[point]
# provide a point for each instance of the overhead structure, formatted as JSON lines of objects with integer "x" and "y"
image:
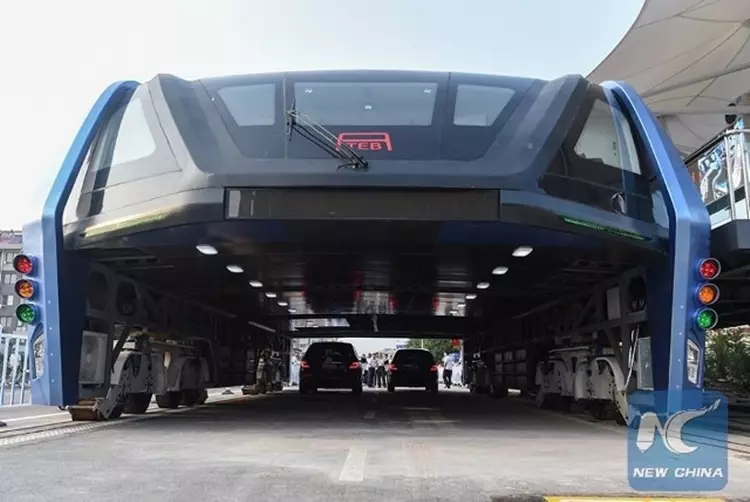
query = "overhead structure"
{"x": 690, "y": 60}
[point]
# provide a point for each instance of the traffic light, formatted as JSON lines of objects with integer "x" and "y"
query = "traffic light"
{"x": 27, "y": 289}
{"x": 707, "y": 293}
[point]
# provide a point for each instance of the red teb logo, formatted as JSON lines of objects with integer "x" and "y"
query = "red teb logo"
{"x": 365, "y": 141}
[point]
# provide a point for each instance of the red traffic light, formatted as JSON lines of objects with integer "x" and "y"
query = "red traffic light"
{"x": 23, "y": 264}
{"x": 709, "y": 269}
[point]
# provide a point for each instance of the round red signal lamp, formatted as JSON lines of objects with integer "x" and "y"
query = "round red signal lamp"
{"x": 709, "y": 268}
{"x": 25, "y": 289}
{"x": 23, "y": 264}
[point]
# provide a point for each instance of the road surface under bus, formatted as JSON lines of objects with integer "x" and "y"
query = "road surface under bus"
{"x": 403, "y": 446}
{"x": 197, "y": 226}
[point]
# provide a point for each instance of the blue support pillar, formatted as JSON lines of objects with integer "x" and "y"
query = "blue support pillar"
{"x": 671, "y": 284}
{"x": 56, "y": 337}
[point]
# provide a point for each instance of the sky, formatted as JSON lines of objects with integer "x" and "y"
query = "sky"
{"x": 57, "y": 57}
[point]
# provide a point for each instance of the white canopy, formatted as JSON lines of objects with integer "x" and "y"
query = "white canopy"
{"x": 689, "y": 59}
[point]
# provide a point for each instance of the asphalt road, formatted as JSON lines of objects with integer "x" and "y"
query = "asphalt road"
{"x": 330, "y": 446}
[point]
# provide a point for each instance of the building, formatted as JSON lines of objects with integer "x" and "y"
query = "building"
{"x": 10, "y": 245}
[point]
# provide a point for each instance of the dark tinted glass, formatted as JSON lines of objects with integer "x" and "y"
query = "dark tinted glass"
{"x": 338, "y": 352}
{"x": 480, "y": 105}
{"x": 377, "y": 104}
{"x": 251, "y": 105}
{"x": 420, "y": 358}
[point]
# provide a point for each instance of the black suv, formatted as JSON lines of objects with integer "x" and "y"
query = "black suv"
{"x": 330, "y": 365}
{"x": 413, "y": 368}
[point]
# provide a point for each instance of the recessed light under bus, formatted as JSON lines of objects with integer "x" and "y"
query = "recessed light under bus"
{"x": 206, "y": 249}
{"x": 522, "y": 251}
{"x": 235, "y": 269}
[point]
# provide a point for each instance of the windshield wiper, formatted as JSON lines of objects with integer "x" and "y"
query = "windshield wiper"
{"x": 323, "y": 139}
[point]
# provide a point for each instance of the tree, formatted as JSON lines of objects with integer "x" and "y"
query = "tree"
{"x": 436, "y": 346}
{"x": 728, "y": 356}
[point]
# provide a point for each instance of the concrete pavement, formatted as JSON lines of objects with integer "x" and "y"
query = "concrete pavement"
{"x": 331, "y": 446}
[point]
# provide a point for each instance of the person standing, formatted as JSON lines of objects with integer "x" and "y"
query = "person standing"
{"x": 371, "y": 364}
{"x": 380, "y": 372}
{"x": 447, "y": 370}
{"x": 363, "y": 365}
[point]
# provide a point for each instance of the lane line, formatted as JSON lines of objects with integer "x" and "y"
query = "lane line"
{"x": 35, "y": 417}
{"x": 355, "y": 465}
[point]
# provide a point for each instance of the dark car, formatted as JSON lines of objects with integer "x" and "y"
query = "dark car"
{"x": 413, "y": 368}
{"x": 330, "y": 365}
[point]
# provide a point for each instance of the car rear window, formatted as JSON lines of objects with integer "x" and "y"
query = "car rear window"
{"x": 337, "y": 352}
{"x": 417, "y": 357}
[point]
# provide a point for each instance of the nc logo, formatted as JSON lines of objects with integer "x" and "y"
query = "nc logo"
{"x": 671, "y": 432}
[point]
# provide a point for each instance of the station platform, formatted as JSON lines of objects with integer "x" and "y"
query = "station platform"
{"x": 408, "y": 445}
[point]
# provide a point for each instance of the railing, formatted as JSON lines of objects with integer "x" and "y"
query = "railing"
{"x": 14, "y": 363}
{"x": 721, "y": 171}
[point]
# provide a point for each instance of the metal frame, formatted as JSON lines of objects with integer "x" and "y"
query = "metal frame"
{"x": 582, "y": 319}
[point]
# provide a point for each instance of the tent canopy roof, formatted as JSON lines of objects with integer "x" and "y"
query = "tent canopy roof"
{"x": 689, "y": 59}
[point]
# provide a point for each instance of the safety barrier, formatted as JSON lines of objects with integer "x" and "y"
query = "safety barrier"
{"x": 721, "y": 171}
{"x": 15, "y": 385}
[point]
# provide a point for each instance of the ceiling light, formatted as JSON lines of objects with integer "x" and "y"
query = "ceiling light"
{"x": 235, "y": 269}
{"x": 270, "y": 294}
{"x": 461, "y": 305}
{"x": 471, "y": 296}
{"x": 500, "y": 270}
{"x": 292, "y": 311}
{"x": 523, "y": 251}
{"x": 206, "y": 249}
{"x": 483, "y": 285}
{"x": 256, "y": 284}
{"x": 283, "y": 303}
{"x": 454, "y": 312}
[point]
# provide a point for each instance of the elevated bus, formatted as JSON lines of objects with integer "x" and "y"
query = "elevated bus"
{"x": 194, "y": 224}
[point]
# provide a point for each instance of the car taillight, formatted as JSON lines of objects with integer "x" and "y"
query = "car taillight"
{"x": 354, "y": 366}
{"x": 303, "y": 365}
{"x": 433, "y": 367}
{"x": 392, "y": 367}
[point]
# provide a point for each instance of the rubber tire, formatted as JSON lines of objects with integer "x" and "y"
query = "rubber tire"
{"x": 391, "y": 388}
{"x": 433, "y": 389}
{"x": 357, "y": 390}
{"x": 190, "y": 397}
{"x": 137, "y": 404}
{"x": 116, "y": 412}
{"x": 500, "y": 392}
{"x": 169, "y": 400}
{"x": 204, "y": 397}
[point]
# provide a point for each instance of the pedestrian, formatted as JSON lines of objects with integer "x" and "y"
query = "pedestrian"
{"x": 380, "y": 373}
{"x": 363, "y": 365}
{"x": 371, "y": 365}
{"x": 386, "y": 372}
{"x": 447, "y": 370}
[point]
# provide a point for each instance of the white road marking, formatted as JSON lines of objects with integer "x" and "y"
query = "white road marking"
{"x": 35, "y": 417}
{"x": 370, "y": 415}
{"x": 355, "y": 465}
